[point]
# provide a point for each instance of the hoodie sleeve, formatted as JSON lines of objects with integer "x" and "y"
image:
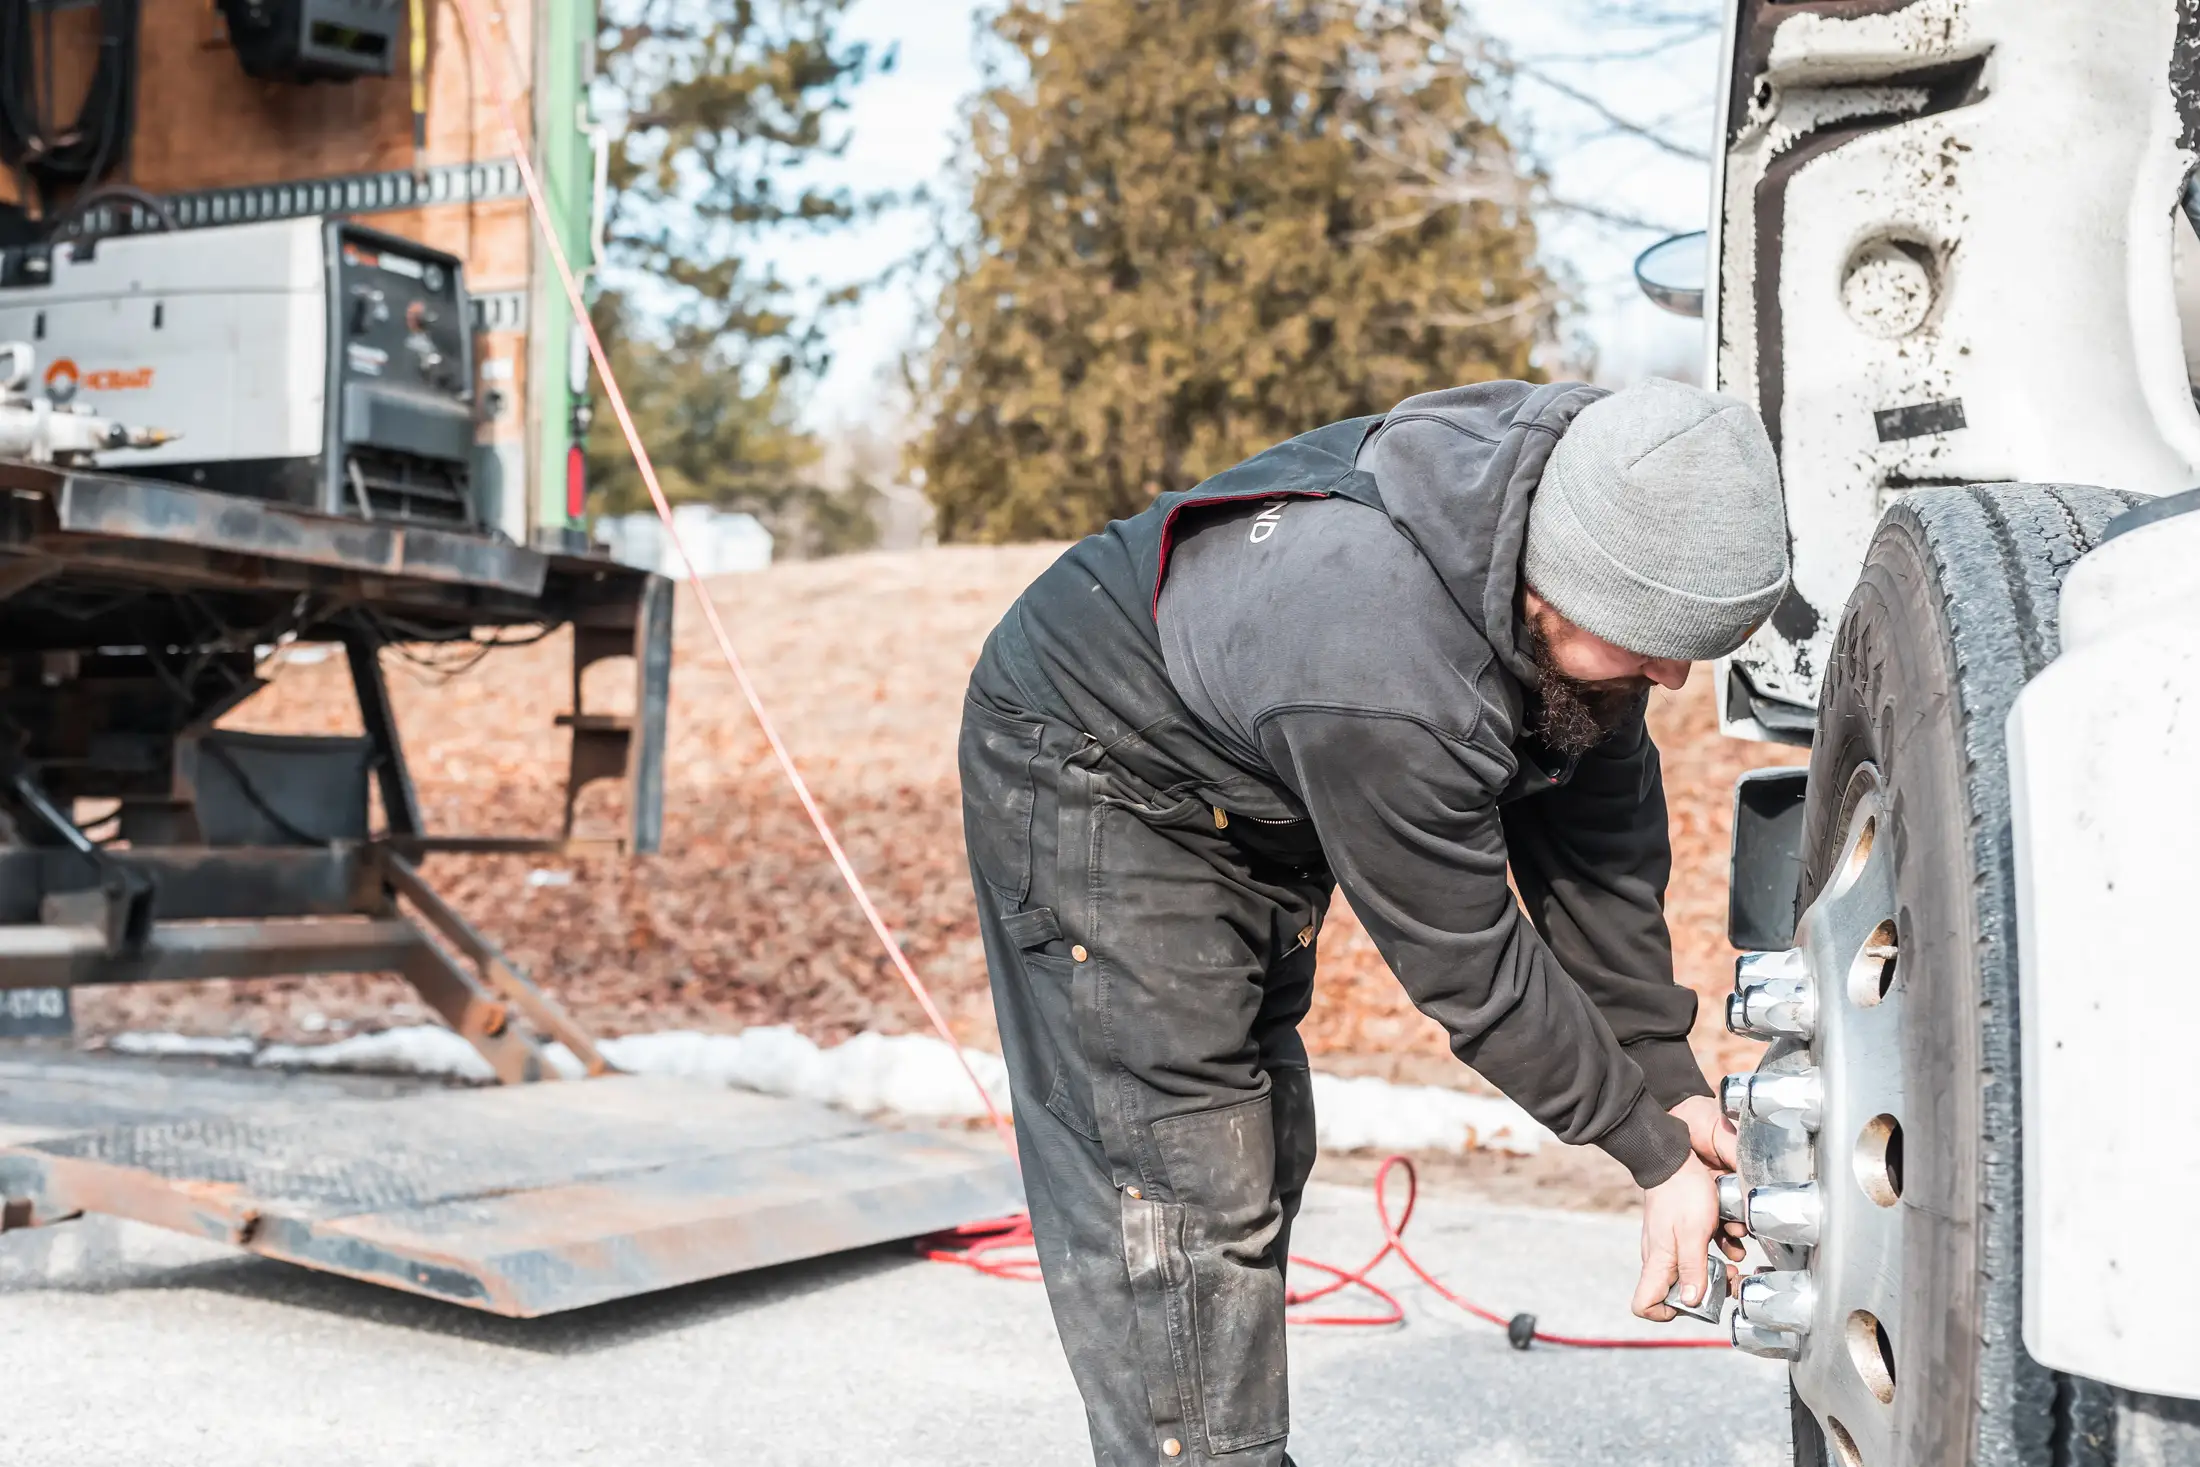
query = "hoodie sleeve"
{"x": 1591, "y": 859}
{"x": 1410, "y": 826}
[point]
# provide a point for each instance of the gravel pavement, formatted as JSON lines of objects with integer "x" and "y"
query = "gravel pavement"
{"x": 122, "y": 1344}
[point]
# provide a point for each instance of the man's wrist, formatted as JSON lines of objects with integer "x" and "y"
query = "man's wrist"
{"x": 1649, "y": 1141}
{"x": 1669, "y": 1069}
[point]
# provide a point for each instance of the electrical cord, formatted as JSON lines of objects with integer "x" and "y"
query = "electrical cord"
{"x": 1002, "y": 1248}
{"x": 256, "y": 799}
{"x": 59, "y": 158}
{"x": 440, "y": 672}
{"x": 430, "y": 673}
{"x": 384, "y": 623}
{"x": 152, "y": 205}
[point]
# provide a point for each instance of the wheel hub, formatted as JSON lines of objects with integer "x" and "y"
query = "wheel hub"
{"x": 1821, "y": 1143}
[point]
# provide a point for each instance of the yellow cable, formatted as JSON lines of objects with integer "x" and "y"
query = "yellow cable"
{"x": 419, "y": 21}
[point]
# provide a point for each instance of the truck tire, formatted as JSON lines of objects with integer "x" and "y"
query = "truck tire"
{"x": 1955, "y": 610}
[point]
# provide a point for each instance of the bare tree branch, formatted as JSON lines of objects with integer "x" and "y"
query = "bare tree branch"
{"x": 1698, "y": 113}
{"x": 1481, "y": 61}
{"x": 1612, "y": 119}
{"x": 1602, "y": 215}
{"x": 1527, "y": 305}
{"x": 1674, "y": 42}
{"x": 1639, "y": 16}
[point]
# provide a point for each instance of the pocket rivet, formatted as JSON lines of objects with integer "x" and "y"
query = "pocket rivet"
{"x": 1222, "y": 822}
{"x": 1171, "y": 1447}
{"x": 1134, "y": 1194}
{"x": 1078, "y": 952}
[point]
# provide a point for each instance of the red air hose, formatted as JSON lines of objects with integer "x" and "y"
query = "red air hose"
{"x": 1001, "y": 1248}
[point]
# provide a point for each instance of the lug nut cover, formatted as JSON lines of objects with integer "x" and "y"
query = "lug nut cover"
{"x": 1786, "y": 1212}
{"x": 1796, "y": 1097}
{"x": 1734, "y": 1096}
{"x": 1772, "y": 1344}
{"x": 1774, "y": 996}
{"x": 1780, "y": 1299}
{"x": 1733, "y": 1199}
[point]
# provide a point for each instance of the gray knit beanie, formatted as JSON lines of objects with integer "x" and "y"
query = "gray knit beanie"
{"x": 1659, "y": 523}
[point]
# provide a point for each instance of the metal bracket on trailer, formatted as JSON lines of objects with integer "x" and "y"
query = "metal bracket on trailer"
{"x": 616, "y": 746}
{"x": 500, "y": 972}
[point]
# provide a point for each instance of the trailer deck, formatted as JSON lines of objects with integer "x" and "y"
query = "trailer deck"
{"x": 518, "y": 1200}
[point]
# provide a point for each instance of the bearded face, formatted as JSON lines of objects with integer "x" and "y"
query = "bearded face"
{"x": 1573, "y": 715}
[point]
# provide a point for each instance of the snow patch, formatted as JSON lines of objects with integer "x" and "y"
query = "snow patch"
{"x": 895, "y": 1074}
{"x": 911, "y": 1075}
{"x": 419, "y": 1050}
{"x": 1368, "y": 1114}
{"x": 184, "y": 1046}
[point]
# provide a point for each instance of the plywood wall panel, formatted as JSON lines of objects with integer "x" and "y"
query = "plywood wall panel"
{"x": 203, "y": 123}
{"x": 492, "y": 236}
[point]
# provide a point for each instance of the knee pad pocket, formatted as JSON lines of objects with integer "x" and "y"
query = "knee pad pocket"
{"x": 1221, "y": 1167}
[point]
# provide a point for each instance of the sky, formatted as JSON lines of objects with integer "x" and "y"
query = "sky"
{"x": 902, "y": 129}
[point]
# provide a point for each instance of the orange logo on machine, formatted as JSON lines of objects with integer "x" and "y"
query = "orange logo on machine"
{"x": 63, "y": 374}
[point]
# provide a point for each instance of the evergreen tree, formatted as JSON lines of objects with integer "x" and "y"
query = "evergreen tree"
{"x": 723, "y": 98}
{"x": 1201, "y": 226}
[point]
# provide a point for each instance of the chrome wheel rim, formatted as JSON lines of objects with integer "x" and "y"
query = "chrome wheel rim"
{"x": 1822, "y": 1146}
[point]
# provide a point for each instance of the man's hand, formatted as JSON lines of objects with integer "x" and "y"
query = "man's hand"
{"x": 1679, "y": 1215}
{"x": 1717, "y": 1146}
{"x": 1716, "y": 1143}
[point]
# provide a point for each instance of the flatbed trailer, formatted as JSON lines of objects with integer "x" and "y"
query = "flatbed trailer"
{"x": 132, "y": 610}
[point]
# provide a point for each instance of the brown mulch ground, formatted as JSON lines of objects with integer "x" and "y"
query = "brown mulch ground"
{"x": 743, "y": 921}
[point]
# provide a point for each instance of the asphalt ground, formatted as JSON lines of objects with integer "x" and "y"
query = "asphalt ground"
{"x": 123, "y": 1344}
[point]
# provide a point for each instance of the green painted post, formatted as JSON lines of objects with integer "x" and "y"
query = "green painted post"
{"x": 564, "y": 48}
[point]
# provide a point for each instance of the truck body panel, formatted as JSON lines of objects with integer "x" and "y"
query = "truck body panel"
{"x": 2105, "y": 793}
{"x": 1946, "y": 255}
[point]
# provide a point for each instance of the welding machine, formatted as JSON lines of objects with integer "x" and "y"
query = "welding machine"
{"x": 312, "y": 361}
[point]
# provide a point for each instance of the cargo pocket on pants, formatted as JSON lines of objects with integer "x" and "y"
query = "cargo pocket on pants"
{"x": 1069, "y": 1092}
{"x": 1221, "y": 1166}
{"x": 995, "y": 755}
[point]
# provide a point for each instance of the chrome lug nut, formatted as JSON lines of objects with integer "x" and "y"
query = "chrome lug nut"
{"x": 1786, "y": 1212}
{"x": 1796, "y": 1097}
{"x": 1733, "y": 1199}
{"x": 1782, "y": 1299}
{"x": 1753, "y": 1339}
{"x": 1774, "y": 996}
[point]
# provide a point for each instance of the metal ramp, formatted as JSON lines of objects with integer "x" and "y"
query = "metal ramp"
{"x": 521, "y": 1200}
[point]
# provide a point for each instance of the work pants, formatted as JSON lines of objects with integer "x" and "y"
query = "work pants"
{"x": 1149, "y": 975}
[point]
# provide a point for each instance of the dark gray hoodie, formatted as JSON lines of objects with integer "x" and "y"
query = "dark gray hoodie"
{"x": 1365, "y": 669}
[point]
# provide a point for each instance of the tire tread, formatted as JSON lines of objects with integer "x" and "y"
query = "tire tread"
{"x": 1995, "y": 557}
{"x": 2155, "y": 1431}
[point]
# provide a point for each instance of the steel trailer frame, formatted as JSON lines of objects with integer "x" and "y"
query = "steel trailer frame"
{"x": 523, "y": 1199}
{"x": 75, "y": 913}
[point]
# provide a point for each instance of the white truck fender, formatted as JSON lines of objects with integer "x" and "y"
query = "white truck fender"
{"x": 2104, "y": 769}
